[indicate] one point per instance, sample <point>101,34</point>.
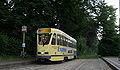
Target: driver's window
<point>44,38</point>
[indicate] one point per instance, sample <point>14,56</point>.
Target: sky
<point>115,4</point>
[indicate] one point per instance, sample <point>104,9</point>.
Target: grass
<point>110,57</point>
<point>11,58</point>
<point>88,57</point>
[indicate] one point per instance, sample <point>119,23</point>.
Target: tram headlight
<point>42,52</point>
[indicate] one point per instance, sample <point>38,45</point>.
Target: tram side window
<point>54,39</point>
<point>58,39</point>
<point>73,44</point>
<point>70,43</point>
<point>61,40</point>
<point>64,42</point>
<point>67,42</point>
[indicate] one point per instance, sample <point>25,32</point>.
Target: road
<point>78,64</point>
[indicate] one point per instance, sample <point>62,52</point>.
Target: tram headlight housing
<point>46,52</point>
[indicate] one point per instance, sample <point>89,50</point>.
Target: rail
<point>114,65</point>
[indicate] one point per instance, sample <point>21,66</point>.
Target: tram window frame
<point>65,41</point>
<point>58,39</point>
<point>68,43</point>
<point>54,39</point>
<point>74,44</point>
<point>61,40</point>
<point>71,44</point>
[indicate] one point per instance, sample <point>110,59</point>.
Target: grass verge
<point>88,57</point>
<point>110,57</point>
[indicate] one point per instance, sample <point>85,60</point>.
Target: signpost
<point>24,30</point>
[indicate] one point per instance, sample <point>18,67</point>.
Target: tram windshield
<point>44,38</point>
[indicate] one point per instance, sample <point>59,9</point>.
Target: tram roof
<point>54,30</point>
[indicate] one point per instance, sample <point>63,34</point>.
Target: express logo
<point>61,49</point>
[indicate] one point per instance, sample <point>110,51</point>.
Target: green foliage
<point>88,57</point>
<point>14,57</point>
<point>9,46</point>
<point>81,45</point>
<point>109,44</point>
<point>80,19</point>
<point>83,49</point>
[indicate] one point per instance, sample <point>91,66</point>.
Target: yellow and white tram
<point>55,45</point>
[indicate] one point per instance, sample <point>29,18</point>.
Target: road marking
<point>79,66</point>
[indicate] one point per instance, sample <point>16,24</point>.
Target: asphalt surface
<point>78,64</point>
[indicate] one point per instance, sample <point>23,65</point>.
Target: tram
<point>55,45</point>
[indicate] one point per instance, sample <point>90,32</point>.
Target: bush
<point>9,46</point>
<point>82,47</point>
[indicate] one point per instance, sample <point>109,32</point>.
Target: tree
<point>80,19</point>
<point>108,45</point>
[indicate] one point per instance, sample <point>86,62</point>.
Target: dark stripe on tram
<point>62,55</point>
<point>52,56</point>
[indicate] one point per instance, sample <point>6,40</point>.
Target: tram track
<point>114,65</point>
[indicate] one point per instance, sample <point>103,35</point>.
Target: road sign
<point>24,28</point>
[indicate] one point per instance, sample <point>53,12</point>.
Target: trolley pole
<point>24,30</point>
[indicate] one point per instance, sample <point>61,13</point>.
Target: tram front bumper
<point>44,57</point>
